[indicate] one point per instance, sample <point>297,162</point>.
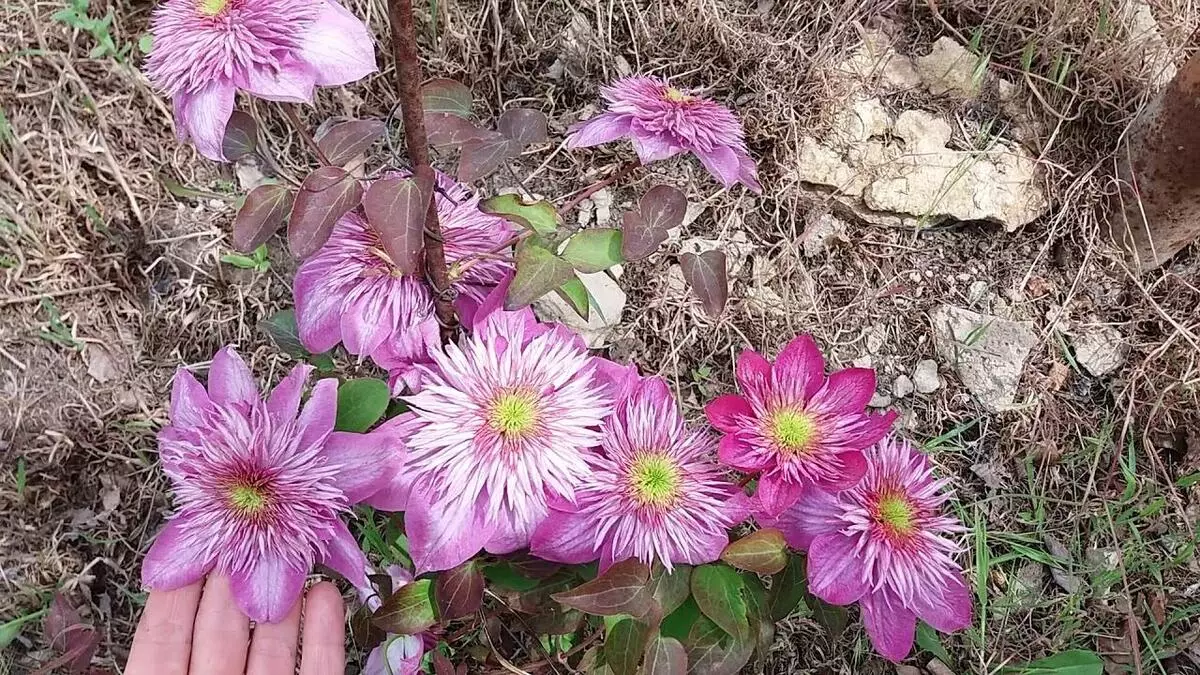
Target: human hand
<point>199,630</point>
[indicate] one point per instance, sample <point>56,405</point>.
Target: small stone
<point>608,303</point>
<point>880,400</point>
<point>949,69</point>
<point>987,352</point>
<point>1027,585</point>
<point>603,200</point>
<point>822,232</point>
<point>976,291</point>
<point>1099,349</point>
<point>876,335</point>
<point>1103,559</point>
<point>862,362</point>
<point>903,386</point>
<point>925,376</point>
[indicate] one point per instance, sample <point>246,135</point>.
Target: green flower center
<point>895,513</point>
<point>654,480</point>
<point>514,413</point>
<point>211,7</point>
<point>793,431</point>
<point>676,96</point>
<point>247,499</point>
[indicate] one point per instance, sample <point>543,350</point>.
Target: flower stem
<point>599,185</point>
<point>289,111</point>
<point>408,84</point>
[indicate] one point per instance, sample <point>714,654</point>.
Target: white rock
<point>948,69</point>
<point>608,303</point>
<point>987,352</point>
<point>1099,349</point>
<point>876,336</point>
<point>976,291</point>
<point>863,362</point>
<point>603,200</point>
<point>925,376</point>
<point>880,401</point>
<point>903,386</point>
<point>821,232</point>
<point>1143,30</point>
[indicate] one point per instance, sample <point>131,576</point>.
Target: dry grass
<point>136,280</point>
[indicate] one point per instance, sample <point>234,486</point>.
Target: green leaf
<point>679,623</point>
<point>576,295</point>
<point>718,591</point>
<point>408,611</point>
<point>360,403</point>
<point>927,639</point>
<point>1074,662</point>
<point>670,589</point>
<point>712,651</point>
<point>832,617</point>
<point>761,625</point>
<point>539,271</point>
<point>10,630</point>
<point>239,260</point>
<point>538,216</point>
<point>762,551</point>
<point>594,250</point>
<point>145,43</point>
<point>623,589</point>
<point>281,328</point>
<point>623,646</point>
<point>504,575</point>
<point>446,96</point>
<point>788,589</point>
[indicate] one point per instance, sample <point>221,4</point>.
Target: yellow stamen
<point>654,480</point>
<point>895,513</point>
<point>792,430</point>
<point>676,96</point>
<point>514,413</point>
<point>211,7</point>
<point>247,499</point>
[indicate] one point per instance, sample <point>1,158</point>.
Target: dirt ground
<point>1081,500</point>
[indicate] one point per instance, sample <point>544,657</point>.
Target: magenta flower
<point>503,422</point>
<point>663,121</point>
<point>883,544</point>
<point>260,489</point>
<point>796,426</point>
<point>349,292</point>
<point>655,494</point>
<point>206,50</point>
<point>398,654</point>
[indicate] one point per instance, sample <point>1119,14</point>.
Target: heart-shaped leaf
<point>360,403</point>
<point>833,617</point>
<point>343,142</point>
<point>670,589</point>
<point>576,295</point>
<point>396,209</point>
<point>459,591</point>
<point>408,611</point>
<point>711,651</point>
<point>624,644</point>
<point>446,96</point>
<point>718,591</point>
<point>539,271</point>
<point>281,328</point>
<point>524,126</point>
<point>481,156</point>
<point>706,273</point>
<point>325,195</point>
<point>594,250</point>
<point>622,589</point>
<point>762,552</point>
<point>538,216</point>
<point>788,589</point>
<point>665,656</point>
<point>660,209</point>
<point>241,136</point>
<point>261,215</point>
<point>445,129</point>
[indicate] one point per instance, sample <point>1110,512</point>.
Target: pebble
<point>925,376</point>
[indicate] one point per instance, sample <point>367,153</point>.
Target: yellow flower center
<point>514,413</point>
<point>654,480</point>
<point>676,96</point>
<point>793,431</point>
<point>211,7</point>
<point>895,513</point>
<point>247,499</point>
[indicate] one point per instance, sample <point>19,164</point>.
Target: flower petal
<point>729,412</point>
<point>319,414</point>
<point>365,323</point>
<point>284,400</point>
<point>652,146</point>
<point>188,401</point>
<point>319,303</point>
<point>776,494</point>
<point>440,538</point>
<point>753,371</point>
<point>230,380</point>
<point>701,547</point>
<point>845,392</point>
<point>722,162</point>
<point>890,626</point>
<point>267,591</point>
<point>835,571</point>
<point>338,47</point>
<point>512,532</point>
<point>817,512</point>
<point>952,613</point>
<point>748,173</point>
<point>565,537</point>
<point>361,461</point>
<point>603,128</point>
<point>800,368</point>
<point>399,655</point>
<point>343,555</point>
<point>175,559</point>
<point>202,116</point>
<point>739,454</point>
<point>854,467</point>
<point>291,82</point>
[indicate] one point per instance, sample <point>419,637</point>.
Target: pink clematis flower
<point>663,121</point>
<point>655,494</point>
<point>278,50</point>
<point>795,426</point>
<point>504,421</point>
<point>349,292</point>
<point>260,490</point>
<point>398,654</point>
<point>883,544</point>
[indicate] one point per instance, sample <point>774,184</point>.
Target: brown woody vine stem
<point>408,84</point>
<point>592,189</point>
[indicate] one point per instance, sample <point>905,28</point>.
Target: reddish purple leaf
<point>482,156</point>
<point>409,611</point>
<point>450,130</point>
<point>762,552</point>
<point>442,664</point>
<point>343,142</point>
<point>712,651</point>
<point>325,195</point>
<point>241,136</point>
<point>261,215</point>
<point>623,589</point>
<point>523,125</point>
<point>446,96</point>
<point>459,591</point>
<point>665,656</point>
<point>396,209</point>
<point>706,273</point>
<point>645,229</point>
<point>66,633</point>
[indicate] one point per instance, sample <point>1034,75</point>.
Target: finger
<point>323,649</point>
<point>273,645</point>
<point>162,644</point>
<point>222,632</point>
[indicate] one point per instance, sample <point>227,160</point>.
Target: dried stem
<point>408,83</point>
<point>592,189</point>
<point>289,111</point>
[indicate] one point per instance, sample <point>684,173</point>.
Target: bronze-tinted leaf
<point>396,209</point>
<point>665,656</point>
<point>762,552</point>
<point>408,611</point>
<point>445,129</point>
<point>833,617</point>
<point>622,589</point>
<point>481,156</point>
<point>788,589</point>
<point>645,229</point>
<point>459,591</point>
<point>442,664</point>
<point>539,271</point>
<point>670,589</point>
<point>712,651</point>
<point>446,96</point>
<point>523,125</point>
<point>325,195</point>
<point>624,644</point>
<point>75,641</point>
<point>261,215</point>
<point>343,142</point>
<point>706,273</point>
<point>241,136</point>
